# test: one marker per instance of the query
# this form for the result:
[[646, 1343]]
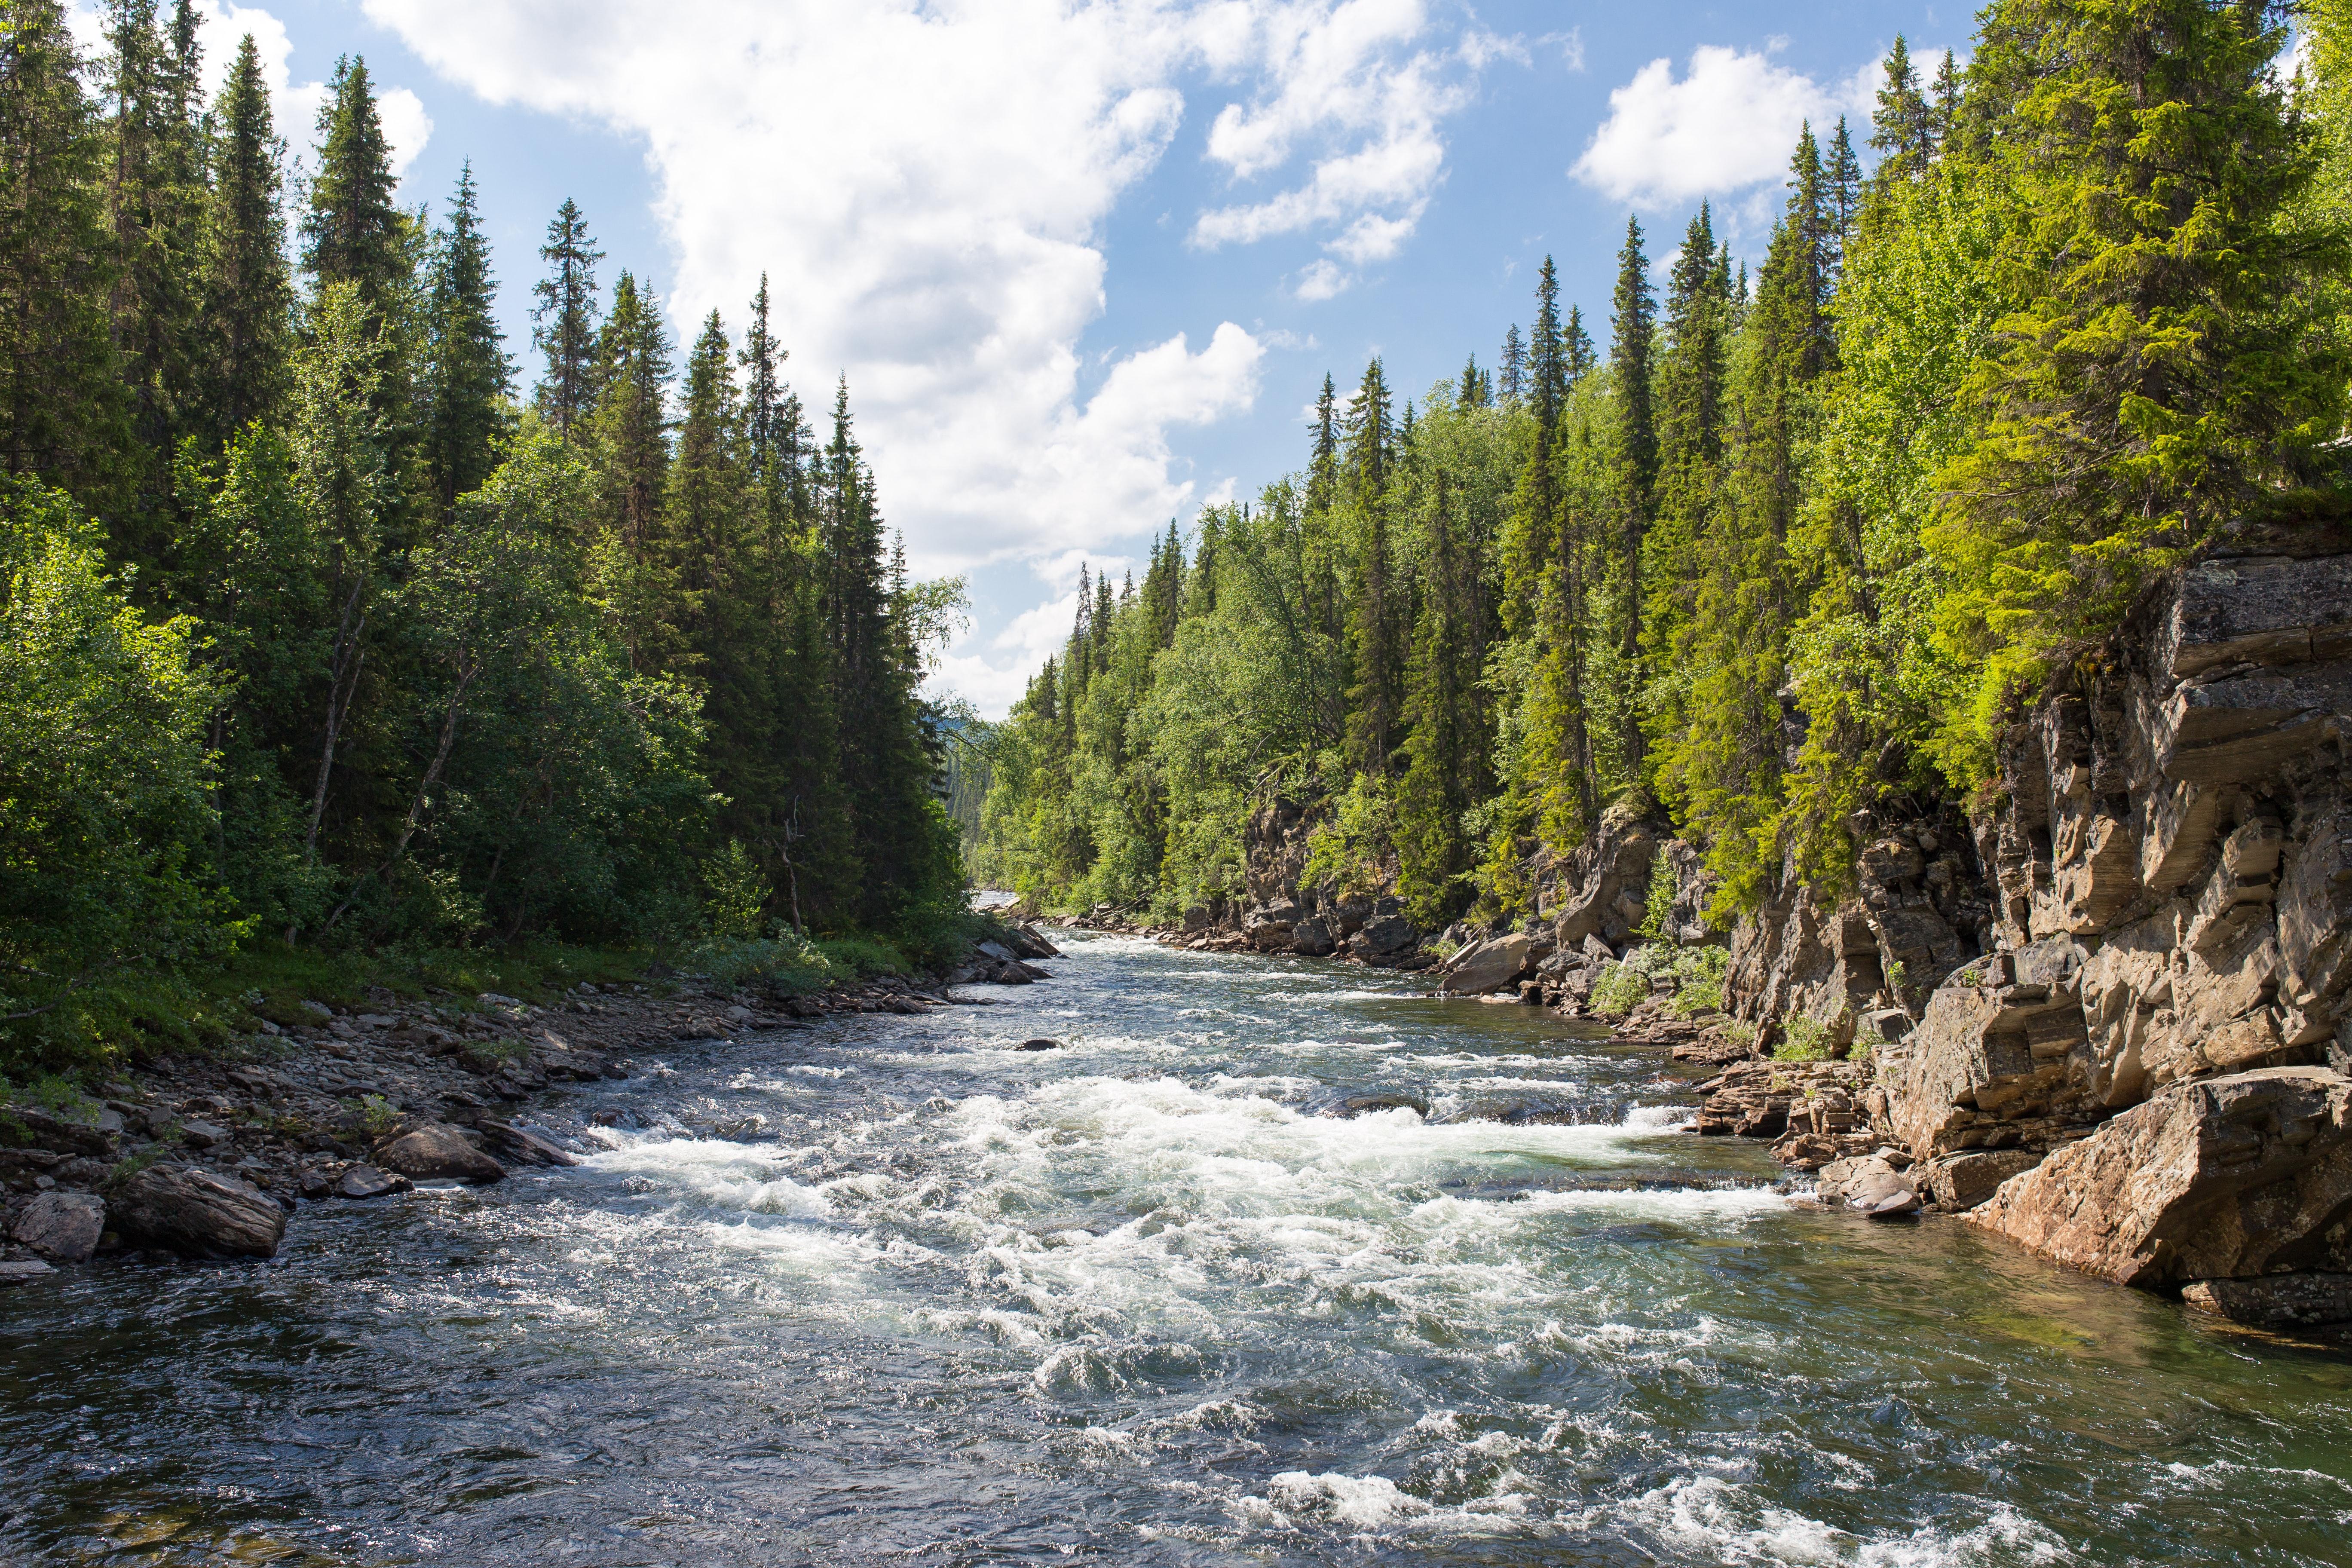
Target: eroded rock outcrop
[[197, 1213], [2223, 1178]]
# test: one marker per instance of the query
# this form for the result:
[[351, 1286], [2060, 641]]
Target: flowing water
[[888, 1291]]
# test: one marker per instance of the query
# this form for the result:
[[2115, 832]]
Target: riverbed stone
[[64, 1224], [197, 1213], [24, 1271], [364, 1181], [522, 1146], [2228, 1177], [2275, 1301], [435, 1150]]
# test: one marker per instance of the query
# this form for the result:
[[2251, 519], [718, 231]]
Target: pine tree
[[248, 296], [564, 320], [155, 199], [1633, 326], [1902, 130], [1323, 457], [352, 232], [1577, 352], [467, 378], [1843, 193], [633, 374], [62, 404]]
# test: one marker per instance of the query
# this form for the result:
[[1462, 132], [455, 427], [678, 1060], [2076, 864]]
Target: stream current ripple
[[890, 1290]]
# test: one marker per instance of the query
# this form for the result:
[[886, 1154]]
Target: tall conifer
[[563, 321], [467, 376], [248, 296]]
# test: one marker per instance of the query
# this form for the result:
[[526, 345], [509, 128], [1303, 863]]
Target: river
[[888, 1291]]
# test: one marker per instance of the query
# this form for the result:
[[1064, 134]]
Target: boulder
[[1269, 928], [999, 952], [1489, 966], [1039, 1044], [1312, 937], [86, 1132], [1026, 942], [1957, 1183], [1354, 1105], [1383, 936], [23, 1271], [2218, 1178], [2275, 1301], [367, 1182], [435, 1150], [200, 1135], [197, 1213], [523, 1147], [64, 1225], [1882, 1195]]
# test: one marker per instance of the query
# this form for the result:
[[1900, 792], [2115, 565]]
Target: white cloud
[[1320, 281], [926, 182], [1727, 125], [1363, 83]]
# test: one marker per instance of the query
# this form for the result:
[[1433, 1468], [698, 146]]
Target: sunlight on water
[[1152, 1297]]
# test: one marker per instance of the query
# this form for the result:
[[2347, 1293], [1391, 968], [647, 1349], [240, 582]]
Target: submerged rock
[[435, 1150], [1039, 1044], [2276, 1300], [364, 1181], [197, 1213], [2221, 1178], [24, 1271], [65, 1226], [525, 1147]]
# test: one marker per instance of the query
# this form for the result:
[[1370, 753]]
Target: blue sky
[[1086, 264]]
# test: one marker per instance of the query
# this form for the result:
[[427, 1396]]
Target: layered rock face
[[2168, 856]]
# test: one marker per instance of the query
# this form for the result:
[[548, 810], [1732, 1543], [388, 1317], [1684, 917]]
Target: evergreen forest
[[1760, 554], [333, 621]]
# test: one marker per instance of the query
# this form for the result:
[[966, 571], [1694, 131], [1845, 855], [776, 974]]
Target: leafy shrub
[[1805, 1038], [1621, 988], [1701, 973], [738, 893]]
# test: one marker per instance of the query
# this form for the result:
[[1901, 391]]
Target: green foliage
[[1803, 1039], [105, 789], [1352, 853], [1621, 988], [736, 892]]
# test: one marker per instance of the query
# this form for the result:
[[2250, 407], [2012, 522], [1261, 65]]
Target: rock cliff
[[2140, 957]]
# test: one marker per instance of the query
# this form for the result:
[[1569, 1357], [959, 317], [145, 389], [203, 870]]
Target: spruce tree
[[467, 378], [63, 413], [1902, 130], [633, 375], [1633, 326], [1323, 457], [564, 320], [248, 295], [1368, 451], [1577, 353], [155, 201], [353, 232], [1512, 361], [1841, 190]]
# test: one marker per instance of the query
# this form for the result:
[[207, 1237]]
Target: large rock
[[1957, 1183], [1489, 966], [1312, 937], [65, 1226], [197, 1213], [524, 1147], [2218, 1178], [435, 1150], [1269, 928], [2000, 1062], [1383, 936]]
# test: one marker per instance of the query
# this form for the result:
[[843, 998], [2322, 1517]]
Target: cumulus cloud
[[1728, 123], [1367, 88], [926, 185]]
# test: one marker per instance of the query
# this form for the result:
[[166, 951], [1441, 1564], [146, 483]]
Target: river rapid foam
[[892, 1290]]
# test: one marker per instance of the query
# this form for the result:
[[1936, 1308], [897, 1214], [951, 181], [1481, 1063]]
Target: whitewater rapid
[[889, 1289]]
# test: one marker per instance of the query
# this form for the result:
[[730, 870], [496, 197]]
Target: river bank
[[206, 1154]]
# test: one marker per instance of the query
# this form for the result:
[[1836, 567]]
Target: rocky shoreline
[[2105, 1014], [207, 1156]]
